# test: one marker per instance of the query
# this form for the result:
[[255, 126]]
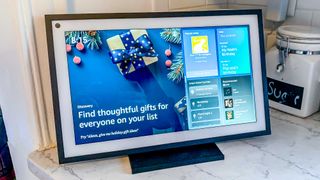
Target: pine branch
[[171, 35], [176, 73], [94, 40]]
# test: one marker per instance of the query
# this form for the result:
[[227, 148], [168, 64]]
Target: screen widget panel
[[238, 99], [200, 54], [234, 50], [203, 103]]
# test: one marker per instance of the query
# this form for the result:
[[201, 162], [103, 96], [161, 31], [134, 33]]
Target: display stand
[[155, 160]]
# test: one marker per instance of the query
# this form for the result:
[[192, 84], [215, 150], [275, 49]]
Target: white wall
[[307, 12], [15, 88]]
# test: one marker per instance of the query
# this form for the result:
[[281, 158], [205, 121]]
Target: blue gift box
[[131, 51]]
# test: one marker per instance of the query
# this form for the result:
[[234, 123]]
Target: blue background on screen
[[97, 82]]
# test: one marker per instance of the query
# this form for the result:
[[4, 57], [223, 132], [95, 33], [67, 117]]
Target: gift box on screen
[[131, 51], [181, 109]]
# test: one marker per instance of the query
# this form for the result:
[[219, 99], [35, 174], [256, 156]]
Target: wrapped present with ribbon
[[181, 109], [131, 51]]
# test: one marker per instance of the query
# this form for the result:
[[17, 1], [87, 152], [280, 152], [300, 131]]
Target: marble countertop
[[291, 152]]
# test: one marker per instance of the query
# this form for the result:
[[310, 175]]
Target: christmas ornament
[[177, 69], [80, 46], [68, 48], [77, 60], [168, 63], [168, 52]]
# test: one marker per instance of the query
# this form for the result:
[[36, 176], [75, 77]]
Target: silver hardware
[[280, 68], [300, 52], [283, 55], [285, 51]]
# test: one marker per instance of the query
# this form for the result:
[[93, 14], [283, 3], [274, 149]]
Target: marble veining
[[291, 152]]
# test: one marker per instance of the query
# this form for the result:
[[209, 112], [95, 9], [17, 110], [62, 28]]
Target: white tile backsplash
[[316, 19], [179, 4], [196, 4], [216, 6], [216, 2], [309, 4], [240, 6], [203, 8], [302, 17], [307, 11], [248, 2]]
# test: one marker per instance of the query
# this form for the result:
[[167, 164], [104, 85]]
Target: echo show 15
[[132, 84]]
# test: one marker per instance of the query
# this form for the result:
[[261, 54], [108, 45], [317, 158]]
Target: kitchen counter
[[291, 152]]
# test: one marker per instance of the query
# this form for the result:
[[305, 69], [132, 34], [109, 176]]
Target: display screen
[[141, 82], [127, 84]]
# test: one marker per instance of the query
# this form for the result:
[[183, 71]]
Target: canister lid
[[303, 38], [301, 32]]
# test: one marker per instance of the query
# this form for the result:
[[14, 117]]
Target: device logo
[[200, 44]]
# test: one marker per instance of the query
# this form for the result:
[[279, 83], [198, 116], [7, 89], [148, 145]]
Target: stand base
[[155, 160]]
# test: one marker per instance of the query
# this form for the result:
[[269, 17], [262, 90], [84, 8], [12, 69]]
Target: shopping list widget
[[218, 78]]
